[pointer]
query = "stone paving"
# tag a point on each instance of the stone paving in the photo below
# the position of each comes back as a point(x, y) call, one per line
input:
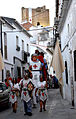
point(60, 108)
point(57, 108)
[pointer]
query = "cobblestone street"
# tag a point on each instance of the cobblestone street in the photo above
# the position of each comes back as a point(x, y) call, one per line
point(57, 108)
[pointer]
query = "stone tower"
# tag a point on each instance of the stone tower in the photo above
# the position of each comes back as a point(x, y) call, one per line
point(40, 15)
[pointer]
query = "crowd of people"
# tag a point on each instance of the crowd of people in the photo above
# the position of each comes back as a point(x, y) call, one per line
point(26, 88)
point(30, 93)
point(52, 82)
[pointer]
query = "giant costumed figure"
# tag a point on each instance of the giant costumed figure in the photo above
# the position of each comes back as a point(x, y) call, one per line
point(44, 67)
point(35, 65)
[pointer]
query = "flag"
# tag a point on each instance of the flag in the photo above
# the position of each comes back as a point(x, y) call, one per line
point(57, 62)
point(1, 62)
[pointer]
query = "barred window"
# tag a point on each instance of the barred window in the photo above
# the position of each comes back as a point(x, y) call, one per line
point(66, 72)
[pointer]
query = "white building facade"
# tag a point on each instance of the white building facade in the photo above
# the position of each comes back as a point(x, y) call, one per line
point(15, 42)
point(67, 32)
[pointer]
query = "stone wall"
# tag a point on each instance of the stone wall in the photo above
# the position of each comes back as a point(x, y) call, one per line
point(40, 14)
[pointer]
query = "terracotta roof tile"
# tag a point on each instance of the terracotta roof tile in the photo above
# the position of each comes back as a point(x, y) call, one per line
point(27, 25)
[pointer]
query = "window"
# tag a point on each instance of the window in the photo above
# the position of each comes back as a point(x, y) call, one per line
point(27, 48)
point(12, 72)
point(17, 41)
point(19, 71)
point(38, 23)
point(68, 28)
point(66, 72)
point(5, 45)
point(22, 45)
point(17, 44)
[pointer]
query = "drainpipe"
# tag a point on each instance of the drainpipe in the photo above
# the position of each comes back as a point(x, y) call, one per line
point(1, 44)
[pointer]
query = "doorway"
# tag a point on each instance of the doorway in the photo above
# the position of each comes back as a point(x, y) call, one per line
point(19, 71)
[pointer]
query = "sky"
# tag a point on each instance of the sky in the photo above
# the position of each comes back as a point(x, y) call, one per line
point(12, 8)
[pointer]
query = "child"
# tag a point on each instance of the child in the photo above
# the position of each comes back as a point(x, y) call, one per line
point(13, 95)
point(25, 95)
point(42, 93)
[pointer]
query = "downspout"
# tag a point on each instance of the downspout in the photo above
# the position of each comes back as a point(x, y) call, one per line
point(1, 48)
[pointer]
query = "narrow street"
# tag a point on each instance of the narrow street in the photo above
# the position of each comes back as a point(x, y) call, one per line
point(57, 108)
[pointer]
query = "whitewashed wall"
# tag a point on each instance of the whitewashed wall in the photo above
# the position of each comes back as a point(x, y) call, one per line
point(68, 40)
point(11, 46)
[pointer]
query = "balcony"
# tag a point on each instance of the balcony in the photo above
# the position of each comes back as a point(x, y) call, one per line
point(24, 56)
